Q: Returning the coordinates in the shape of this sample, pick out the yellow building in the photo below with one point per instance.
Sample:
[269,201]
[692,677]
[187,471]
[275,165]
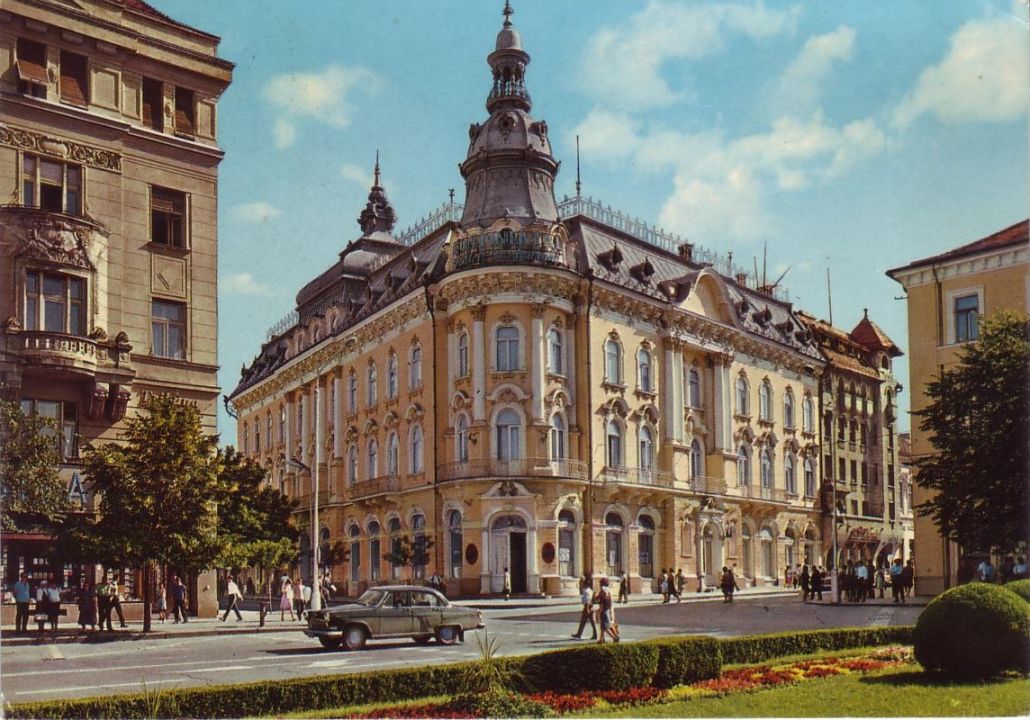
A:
[108,236]
[548,388]
[948,295]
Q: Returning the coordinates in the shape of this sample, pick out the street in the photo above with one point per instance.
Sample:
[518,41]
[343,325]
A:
[52,671]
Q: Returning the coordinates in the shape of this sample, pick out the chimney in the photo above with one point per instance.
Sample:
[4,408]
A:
[686,251]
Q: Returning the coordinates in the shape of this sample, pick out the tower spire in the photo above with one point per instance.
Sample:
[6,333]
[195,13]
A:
[507,12]
[378,215]
[376,182]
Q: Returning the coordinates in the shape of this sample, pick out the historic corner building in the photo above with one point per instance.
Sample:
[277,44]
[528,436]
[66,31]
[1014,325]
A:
[550,388]
[948,295]
[108,240]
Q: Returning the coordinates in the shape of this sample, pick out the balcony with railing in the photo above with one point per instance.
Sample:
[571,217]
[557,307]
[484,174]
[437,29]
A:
[636,477]
[520,467]
[761,492]
[382,485]
[55,349]
[702,484]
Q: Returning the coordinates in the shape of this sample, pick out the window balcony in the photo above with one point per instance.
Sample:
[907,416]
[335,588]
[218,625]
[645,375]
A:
[703,484]
[636,476]
[52,349]
[382,485]
[763,493]
[521,467]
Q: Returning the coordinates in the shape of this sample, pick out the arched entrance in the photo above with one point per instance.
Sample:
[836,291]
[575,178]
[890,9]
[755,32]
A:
[508,550]
[711,554]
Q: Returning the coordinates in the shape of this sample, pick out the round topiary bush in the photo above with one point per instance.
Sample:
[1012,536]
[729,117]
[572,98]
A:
[1019,587]
[973,632]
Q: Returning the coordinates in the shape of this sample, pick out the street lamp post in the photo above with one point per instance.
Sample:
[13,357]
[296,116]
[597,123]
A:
[316,591]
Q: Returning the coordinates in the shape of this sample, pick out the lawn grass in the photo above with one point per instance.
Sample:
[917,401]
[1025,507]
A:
[903,691]
[342,712]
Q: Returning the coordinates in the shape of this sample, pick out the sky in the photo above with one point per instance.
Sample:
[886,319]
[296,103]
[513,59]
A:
[848,136]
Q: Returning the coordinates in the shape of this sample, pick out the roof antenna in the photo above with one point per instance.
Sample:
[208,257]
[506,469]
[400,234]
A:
[376,181]
[579,185]
[829,295]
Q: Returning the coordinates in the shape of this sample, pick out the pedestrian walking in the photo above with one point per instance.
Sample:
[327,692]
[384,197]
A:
[663,586]
[162,602]
[233,597]
[881,581]
[908,578]
[22,599]
[179,599]
[728,584]
[817,582]
[103,593]
[679,581]
[116,599]
[806,583]
[897,586]
[587,614]
[624,587]
[507,583]
[286,599]
[606,613]
[298,597]
[87,603]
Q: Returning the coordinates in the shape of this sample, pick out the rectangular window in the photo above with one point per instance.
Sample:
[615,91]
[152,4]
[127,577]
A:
[65,429]
[967,311]
[842,470]
[153,104]
[168,321]
[184,124]
[32,74]
[55,303]
[74,78]
[167,217]
[854,471]
[51,185]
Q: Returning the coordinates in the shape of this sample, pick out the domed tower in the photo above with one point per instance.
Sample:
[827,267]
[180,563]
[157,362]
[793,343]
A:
[509,171]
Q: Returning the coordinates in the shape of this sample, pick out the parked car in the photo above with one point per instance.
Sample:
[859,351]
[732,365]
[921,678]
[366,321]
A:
[393,611]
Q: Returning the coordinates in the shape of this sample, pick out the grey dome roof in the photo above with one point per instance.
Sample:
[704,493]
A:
[508,39]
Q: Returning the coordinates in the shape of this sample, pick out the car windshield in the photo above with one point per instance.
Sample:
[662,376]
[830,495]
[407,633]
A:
[371,598]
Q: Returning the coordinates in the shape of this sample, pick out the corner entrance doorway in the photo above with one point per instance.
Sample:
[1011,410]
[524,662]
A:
[508,550]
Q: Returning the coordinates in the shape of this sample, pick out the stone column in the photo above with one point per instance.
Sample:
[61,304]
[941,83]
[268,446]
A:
[478,364]
[538,364]
[532,553]
[723,403]
[452,359]
[484,575]
[677,393]
[288,431]
[305,429]
[669,411]
[337,416]
[570,365]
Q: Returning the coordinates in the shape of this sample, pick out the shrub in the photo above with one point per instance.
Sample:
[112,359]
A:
[973,632]
[1019,587]
[758,648]
[497,703]
[686,660]
[611,666]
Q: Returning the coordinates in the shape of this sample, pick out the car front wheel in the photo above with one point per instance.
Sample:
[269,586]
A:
[330,643]
[447,635]
[354,637]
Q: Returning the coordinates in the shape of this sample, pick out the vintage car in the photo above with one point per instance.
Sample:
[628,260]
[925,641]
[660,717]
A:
[392,611]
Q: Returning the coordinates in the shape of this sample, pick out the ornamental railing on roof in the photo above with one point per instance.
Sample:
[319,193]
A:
[448,212]
[288,320]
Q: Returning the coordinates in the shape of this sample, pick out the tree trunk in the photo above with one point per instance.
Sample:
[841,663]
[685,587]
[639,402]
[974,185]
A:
[148,576]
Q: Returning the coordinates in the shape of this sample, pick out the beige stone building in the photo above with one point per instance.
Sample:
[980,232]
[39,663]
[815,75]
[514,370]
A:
[108,233]
[546,387]
[948,295]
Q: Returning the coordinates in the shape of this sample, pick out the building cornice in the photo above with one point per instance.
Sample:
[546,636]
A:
[962,267]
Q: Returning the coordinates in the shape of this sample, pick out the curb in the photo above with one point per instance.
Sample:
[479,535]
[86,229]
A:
[99,638]
[574,603]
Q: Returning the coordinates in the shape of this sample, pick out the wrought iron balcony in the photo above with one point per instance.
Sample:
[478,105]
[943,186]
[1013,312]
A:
[382,485]
[760,492]
[636,476]
[522,467]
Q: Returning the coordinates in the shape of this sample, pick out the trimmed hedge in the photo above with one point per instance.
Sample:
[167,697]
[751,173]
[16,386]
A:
[622,666]
[759,648]
[1019,587]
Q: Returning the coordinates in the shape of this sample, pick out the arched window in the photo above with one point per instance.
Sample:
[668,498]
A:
[415,367]
[509,435]
[420,557]
[790,474]
[645,547]
[507,348]
[352,393]
[694,388]
[415,465]
[766,468]
[612,364]
[614,445]
[853,432]
[746,553]
[355,553]
[809,478]
[788,408]
[374,552]
[696,467]
[462,438]
[809,547]
[454,542]
[807,414]
[392,380]
[827,425]
[743,465]
[352,465]
[566,544]
[742,402]
[257,435]
[646,456]
[765,401]
[393,460]
[282,424]
[557,437]
[788,547]
[394,526]
[372,461]
[613,544]
[644,380]
[268,430]
[373,385]
[765,537]
[245,442]
[463,354]
[555,352]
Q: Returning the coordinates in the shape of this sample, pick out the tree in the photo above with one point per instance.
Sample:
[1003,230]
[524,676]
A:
[406,552]
[33,495]
[978,421]
[158,492]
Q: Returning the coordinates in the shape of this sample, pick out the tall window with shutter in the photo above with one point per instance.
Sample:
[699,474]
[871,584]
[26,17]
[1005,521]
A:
[153,104]
[74,78]
[31,65]
[184,112]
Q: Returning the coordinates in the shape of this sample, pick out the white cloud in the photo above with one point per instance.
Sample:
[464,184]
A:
[606,135]
[623,65]
[798,87]
[255,212]
[984,77]
[324,96]
[243,284]
[356,174]
[284,133]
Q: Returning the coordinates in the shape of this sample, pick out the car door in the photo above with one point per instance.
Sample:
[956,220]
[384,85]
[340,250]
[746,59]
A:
[426,613]
[395,617]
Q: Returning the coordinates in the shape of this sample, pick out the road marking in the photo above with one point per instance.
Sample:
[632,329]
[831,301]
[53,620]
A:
[882,617]
[53,652]
[329,663]
[139,684]
[218,669]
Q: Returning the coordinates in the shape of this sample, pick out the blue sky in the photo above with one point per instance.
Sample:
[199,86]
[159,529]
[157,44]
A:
[853,136]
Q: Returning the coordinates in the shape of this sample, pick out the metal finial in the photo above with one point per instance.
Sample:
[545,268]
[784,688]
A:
[376,181]
[507,13]
[578,184]
[450,192]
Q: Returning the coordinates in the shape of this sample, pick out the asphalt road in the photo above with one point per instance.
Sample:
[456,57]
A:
[47,671]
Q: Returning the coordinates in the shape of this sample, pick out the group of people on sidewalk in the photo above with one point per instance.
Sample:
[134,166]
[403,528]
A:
[598,609]
[858,580]
[1011,568]
[295,596]
[96,603]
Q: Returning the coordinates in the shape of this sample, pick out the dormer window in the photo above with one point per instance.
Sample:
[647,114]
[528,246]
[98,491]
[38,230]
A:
[642,272]
[610,259]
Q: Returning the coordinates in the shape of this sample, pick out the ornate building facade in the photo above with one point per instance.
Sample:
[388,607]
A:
[108,234]
[548,388]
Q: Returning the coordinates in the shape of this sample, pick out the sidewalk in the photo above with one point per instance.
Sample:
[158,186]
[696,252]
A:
[208,627]
[914,601]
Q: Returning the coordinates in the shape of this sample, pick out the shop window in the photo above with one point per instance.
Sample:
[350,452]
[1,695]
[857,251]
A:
[55,303]
[168,217]
[74,78]
[355,553]
[645,547]
[168,322]
[613,544]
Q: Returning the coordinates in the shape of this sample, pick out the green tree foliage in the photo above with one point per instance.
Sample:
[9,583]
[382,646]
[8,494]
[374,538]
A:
[408,552]
[978,421]
[32,494]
